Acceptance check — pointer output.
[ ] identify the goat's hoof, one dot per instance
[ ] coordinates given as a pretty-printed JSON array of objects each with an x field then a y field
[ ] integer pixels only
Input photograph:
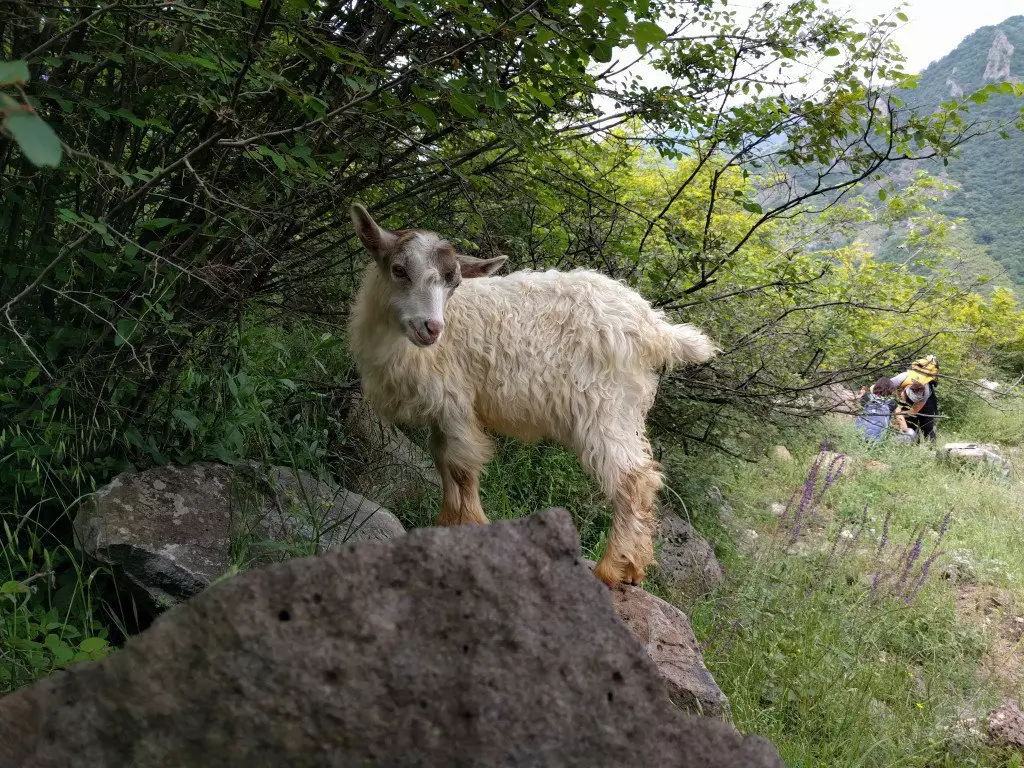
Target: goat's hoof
[{"x": 624, "y": 573}]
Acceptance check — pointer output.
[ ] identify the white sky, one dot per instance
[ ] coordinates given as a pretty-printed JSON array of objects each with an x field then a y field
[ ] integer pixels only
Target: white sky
[{"x": 934, "y": 28}]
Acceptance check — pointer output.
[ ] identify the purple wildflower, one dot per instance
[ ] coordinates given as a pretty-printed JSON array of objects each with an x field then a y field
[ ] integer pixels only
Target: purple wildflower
[
  {"x": 915, "y": 553},
  {"x": 884, "y": 541}
]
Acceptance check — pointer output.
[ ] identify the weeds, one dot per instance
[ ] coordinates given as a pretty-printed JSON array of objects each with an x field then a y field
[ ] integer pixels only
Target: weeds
[
  {"x": 836, "y": 639},
  {"x": 53, "y": 613}
]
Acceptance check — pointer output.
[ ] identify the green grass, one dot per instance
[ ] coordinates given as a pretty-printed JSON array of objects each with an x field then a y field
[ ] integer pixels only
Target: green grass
[
  {"x": 522, "y": 479},
  {"x": 813, "y": 660},
  {"x": 53, "y": 612}
]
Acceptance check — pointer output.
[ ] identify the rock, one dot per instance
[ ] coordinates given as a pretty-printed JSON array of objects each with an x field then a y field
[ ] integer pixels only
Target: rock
[
  {"x": 725, "y": 511},
  {"x": 687, "y": 561},
  {"x": 383, "y": 463},
  {"x": 997, "y": 67},
  {"x": 879, "y": 710},
  {"x": 1006, "y": 726},
  {"x": 171, "y": 531},
  {"x": 748, "y": 541},
  {"x": 777, "y": 508},
  {"x": 465, "y": 645},
  {"x": 837, "y": 399},
  {"x": 780, "y": 453},
  {"x": 665, "y": 633},
  {"x": 834, "y": 464},
  {"x": 978, "y": 453},
  {"x": 959, "y": 568}
]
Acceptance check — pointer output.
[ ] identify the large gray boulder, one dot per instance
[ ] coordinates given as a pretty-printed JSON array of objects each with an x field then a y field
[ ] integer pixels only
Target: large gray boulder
[
  {"x": 382, "y": 462},
  {"x": 462, "y": 646},
  {"x": 686, "y": 561},
  {"x": 171, "y": 531},
  {"x": 665, "y": 632}
]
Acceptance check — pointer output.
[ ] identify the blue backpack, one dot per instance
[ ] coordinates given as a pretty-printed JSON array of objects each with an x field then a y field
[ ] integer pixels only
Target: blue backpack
[{"x": 874, "y": 418}]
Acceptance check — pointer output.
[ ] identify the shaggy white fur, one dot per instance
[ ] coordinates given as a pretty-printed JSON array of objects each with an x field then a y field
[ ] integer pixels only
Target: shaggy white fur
[{"x": 570, "y": 356}]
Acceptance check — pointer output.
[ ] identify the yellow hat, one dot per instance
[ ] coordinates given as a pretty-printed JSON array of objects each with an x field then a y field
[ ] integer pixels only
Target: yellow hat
[{"x": 926, "y": 365}]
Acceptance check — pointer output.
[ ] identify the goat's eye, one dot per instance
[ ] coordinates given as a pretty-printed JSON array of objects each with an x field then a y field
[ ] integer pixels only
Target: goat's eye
[
  {"x": 450, "y": 277},
  {"x": 399, "y": 272}
]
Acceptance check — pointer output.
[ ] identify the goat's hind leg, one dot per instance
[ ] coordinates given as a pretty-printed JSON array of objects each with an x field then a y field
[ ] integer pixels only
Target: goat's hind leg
[
  {"x": 459, "y": 456},
  {"x": 630, "y": 547}
]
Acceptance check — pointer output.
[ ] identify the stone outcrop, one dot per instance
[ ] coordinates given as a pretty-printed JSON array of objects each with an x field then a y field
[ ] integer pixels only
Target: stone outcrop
[
  {"x": 171, "y": 531},
  {"x": 686, "y": 561},
  {"x": 997, "y": 67},
  {"x": 837, "y": 399},
  {"x": 665, "y": 632},
  {"x": 471, "y": 645}
]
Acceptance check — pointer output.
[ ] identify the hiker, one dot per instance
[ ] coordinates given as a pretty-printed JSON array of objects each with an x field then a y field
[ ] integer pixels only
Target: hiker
[
  {"x": 915, "y": 390},
  {"x": 877, "y": 407}
]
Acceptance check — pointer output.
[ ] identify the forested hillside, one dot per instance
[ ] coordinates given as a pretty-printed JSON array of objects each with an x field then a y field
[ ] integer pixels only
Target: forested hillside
[{"x": 990, "y": 171}]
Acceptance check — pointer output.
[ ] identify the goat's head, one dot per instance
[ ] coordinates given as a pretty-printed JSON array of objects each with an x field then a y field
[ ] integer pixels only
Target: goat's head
[{"x": 422, "y": 271}]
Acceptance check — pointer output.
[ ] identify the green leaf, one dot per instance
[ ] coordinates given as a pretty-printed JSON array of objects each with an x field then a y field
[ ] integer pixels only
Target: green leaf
[
  {"x": 463, "y": 105},
  {"x": 125, "y": 327},
  {"x": 136, "y": 121},
  {"x": 35, "y": 138},
  {"x": 30, "y": 376},
  {"x": 752, "y": 207},
  {"x": 647, "y": 33},
  {"x": 12, "y": 587},
  {"x": 186, "y": 418},
  {"x": 832, "y": 52},
  {"x": 543, "y": 97},
  {"x": 882, "y": 194},
  {"x": 426, "y": 114},
  {"x": 13, "y": 73},
  {"x": 496, "y": 99},
  {"x": 92, "y": 644},
  {"x": 602, "y": 51},
  {"x": 902, "y": 16},
  {"x": 159, "y": 223}
]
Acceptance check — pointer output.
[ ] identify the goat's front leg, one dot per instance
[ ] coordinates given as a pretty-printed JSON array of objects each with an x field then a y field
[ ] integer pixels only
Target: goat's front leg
[{"x": 460, "y": 452}]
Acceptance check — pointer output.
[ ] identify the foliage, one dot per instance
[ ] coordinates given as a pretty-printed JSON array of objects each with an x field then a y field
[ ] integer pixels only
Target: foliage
[
  {"x": 18, "y": 118},
  {"x": 49, "y": 610},
  {"x": 990, "y": 171},
  {"x": 820, "y": 647}
]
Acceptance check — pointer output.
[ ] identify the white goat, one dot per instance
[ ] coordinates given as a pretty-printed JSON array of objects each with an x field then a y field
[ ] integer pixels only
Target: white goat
[{"x": 570, "y": 356}]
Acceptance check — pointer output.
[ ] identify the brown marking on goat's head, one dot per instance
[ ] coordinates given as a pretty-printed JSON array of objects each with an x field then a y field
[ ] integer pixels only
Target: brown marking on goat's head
[{"x": 422, "y": 271}]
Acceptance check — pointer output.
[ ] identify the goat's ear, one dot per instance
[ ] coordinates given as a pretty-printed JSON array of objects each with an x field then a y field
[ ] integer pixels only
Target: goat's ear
[
  {"x": 375, "y": 238},
  {"x": 470, "y": 266}
]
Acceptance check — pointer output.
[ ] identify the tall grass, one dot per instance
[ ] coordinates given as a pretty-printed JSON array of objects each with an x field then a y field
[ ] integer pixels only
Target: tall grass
[{"x": 847, "y": 650}]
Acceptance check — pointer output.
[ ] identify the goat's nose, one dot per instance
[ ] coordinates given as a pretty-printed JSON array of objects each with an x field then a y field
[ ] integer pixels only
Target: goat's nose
[{"x": 434, "y": 327}]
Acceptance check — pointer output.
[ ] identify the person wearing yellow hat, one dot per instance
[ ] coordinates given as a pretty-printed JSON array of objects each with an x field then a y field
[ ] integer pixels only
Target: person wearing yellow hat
[{"x": 915, "y": 392}]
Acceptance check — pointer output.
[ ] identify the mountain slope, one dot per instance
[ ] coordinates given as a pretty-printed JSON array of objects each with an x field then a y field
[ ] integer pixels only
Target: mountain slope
[{"x": 990, "y": 169}]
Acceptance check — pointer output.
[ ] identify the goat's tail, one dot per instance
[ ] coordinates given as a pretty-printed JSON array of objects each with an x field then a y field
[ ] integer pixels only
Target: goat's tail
[{"x": 687, "y": 344}]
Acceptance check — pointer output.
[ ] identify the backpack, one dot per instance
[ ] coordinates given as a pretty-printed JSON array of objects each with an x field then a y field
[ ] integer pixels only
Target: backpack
[{"x": 874, "y": 418}]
